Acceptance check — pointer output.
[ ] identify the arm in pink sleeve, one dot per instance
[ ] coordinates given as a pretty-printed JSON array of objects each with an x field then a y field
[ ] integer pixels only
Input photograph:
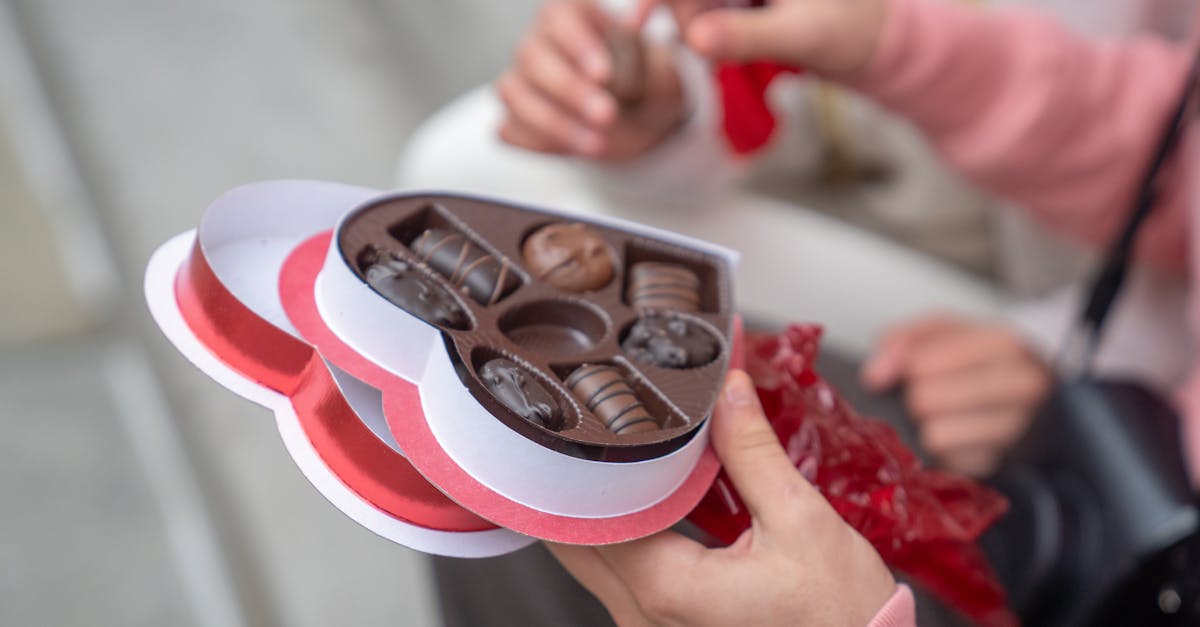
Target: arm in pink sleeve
[
  {"x": 1036, "y": 114},
  {"x": 899, "y": 611}
]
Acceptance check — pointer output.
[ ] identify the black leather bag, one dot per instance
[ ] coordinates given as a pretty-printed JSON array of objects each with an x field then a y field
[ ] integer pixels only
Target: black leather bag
[{"x": 1104, "y": 528}]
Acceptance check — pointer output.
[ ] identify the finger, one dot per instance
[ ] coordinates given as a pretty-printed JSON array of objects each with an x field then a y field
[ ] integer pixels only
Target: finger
[
  {"x": 993, "y": 430},
  {"x": 548, "y": 71},
  {"x": 592, "y": 571},
  {"x": 751, "y": 453},
  {"x": 886, "y": 364},
  {"x": 1002, "y": 385},
  {"x": 512, "y": 131},
  {"x": 641, "y": 13},
  {"x": 969, "y": 348},
  {"x": 533, "y": 110},
  {"x": 740, "y": 35},
  {"x": 576, "y": 27}
]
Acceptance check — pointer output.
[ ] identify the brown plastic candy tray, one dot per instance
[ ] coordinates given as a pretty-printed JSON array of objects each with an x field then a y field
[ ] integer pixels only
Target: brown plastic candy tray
[{"x": 459, "y": 263}]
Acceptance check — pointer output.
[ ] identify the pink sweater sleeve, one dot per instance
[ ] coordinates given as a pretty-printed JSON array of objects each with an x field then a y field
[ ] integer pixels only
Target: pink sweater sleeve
[
  {"x": 899, "y": 611},
  {"x": 1034, "y": 113}
]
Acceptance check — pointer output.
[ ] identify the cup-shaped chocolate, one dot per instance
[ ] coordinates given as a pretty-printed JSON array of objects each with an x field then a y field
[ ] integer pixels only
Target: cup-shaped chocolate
[
  {"x": 604, "y": 391},
  {"x": 467, "y": 266},
  {"x": 666, "y": 286}
]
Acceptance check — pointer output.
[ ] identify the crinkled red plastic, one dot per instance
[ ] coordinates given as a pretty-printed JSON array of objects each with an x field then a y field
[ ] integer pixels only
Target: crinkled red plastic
[{"x": 923, "y": 522}]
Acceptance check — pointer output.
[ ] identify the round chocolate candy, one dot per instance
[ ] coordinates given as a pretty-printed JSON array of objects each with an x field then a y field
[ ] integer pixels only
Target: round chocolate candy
[
  {"x": 569, "y": 256},
  {"x": 606, "y": 393},
  {"x": 522, "y": 393},
  {"x": 655, "y": 285},
  {"x": 627, "y": 82},
  {"x": 467, "y": 266},
  {"x": 409, "y": 289},
  {"x": 670, "y": 341}
]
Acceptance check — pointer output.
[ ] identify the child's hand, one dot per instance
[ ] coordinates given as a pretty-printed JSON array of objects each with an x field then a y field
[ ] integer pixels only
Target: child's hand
[
  {"x": 972, "y": 388},
  {"x": 555, "y": 96},
  {"x": 831, "y": 37},
  {"x": 798, "y": 564}
]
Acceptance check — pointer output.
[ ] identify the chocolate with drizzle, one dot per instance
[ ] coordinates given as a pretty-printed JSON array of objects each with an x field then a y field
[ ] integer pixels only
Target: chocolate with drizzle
[
  {"x": 606, "y": 393},
  {"x": 467, "y": 266},
  {"x": 655, "y": 285}
]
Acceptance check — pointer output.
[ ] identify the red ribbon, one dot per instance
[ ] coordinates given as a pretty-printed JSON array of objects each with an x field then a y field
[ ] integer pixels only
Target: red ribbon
[{"x": 240, "y": 338}]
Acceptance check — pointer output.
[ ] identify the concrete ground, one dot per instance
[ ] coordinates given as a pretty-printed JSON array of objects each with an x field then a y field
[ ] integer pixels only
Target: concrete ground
[{"x": 134, "y": 490}]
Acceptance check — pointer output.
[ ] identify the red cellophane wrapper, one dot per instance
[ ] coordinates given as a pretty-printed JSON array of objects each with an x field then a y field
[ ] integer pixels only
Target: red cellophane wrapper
[{"x": 923, "y": 522}]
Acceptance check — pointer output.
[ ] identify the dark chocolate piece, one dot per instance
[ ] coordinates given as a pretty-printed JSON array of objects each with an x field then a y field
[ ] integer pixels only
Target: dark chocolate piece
[
  {"x": 407, "y": 288},
  {"x": 670, "y": 341},
  {"x": 627, "y": 83},
  {"x": 606, "y": 393},
  {"x": 569, "y": 256},
  {"x": 467, "y": 266},
  {"x": 520, "y": 392},
  {"x": 654, "y": 285}
]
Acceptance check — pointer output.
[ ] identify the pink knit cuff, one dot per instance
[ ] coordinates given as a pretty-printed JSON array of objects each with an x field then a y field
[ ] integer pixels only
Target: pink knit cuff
[{"x": 899, "y": 611}]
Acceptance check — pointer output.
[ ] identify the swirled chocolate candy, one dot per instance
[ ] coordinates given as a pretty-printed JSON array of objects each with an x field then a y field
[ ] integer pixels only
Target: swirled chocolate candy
[
  {"x": 655, "y": 285},
  {"x": 606, "y": 393},
  {"x": 407, "y": 288},
  {"x": 467, "y": 266},
  {"x": 670, "y": 341},
  {"x": 521, "y": 392},
  {"x": 627, "y": 83},
  {"x": 569, "y": 256}
]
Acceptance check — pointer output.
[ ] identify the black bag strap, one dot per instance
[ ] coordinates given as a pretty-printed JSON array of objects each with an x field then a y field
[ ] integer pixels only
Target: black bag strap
[{"x": 1080, "y": 349}]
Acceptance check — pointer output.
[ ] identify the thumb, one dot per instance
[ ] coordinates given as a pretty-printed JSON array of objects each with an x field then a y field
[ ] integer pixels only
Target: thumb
[
  {"x": 785, "y": 33},
  {"x": 750, "y": 451}
]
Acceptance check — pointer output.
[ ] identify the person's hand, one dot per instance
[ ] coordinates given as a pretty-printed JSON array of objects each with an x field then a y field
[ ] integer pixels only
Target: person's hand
[
  {"x": 831, "y": 37},
  {"x": 555, "y": 97},
  {"x": 971, "y": 387},
  {"x": 798, "y": 564}
]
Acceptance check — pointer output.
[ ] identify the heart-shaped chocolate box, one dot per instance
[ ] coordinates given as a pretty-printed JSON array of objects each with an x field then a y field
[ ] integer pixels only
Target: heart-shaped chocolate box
[{"x": 474, "y": 252}]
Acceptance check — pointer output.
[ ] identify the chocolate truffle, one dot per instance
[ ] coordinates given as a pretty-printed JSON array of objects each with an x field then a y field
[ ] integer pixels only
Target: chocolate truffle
[
  {"x": 627, "y": 83},
  {"x": 606, "y": 393},
  {"x": 654, "y": 285},
  {"x": 520, "y": 392},
  {"x": 670, "y": 341},
  {"x": 409, "y": 289},
  {"x": 467, "y": 266},
  {"x": 569, "y": 256}
]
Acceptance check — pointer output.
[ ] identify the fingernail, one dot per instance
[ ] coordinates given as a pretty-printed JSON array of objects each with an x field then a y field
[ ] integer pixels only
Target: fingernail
[
  {"x": 739, "y": 390},
  {"x": 599, "y": 108}
]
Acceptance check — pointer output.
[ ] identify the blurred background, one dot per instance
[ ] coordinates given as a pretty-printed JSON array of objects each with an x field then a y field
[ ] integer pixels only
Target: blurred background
[{"x": 134, "y": 490}]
